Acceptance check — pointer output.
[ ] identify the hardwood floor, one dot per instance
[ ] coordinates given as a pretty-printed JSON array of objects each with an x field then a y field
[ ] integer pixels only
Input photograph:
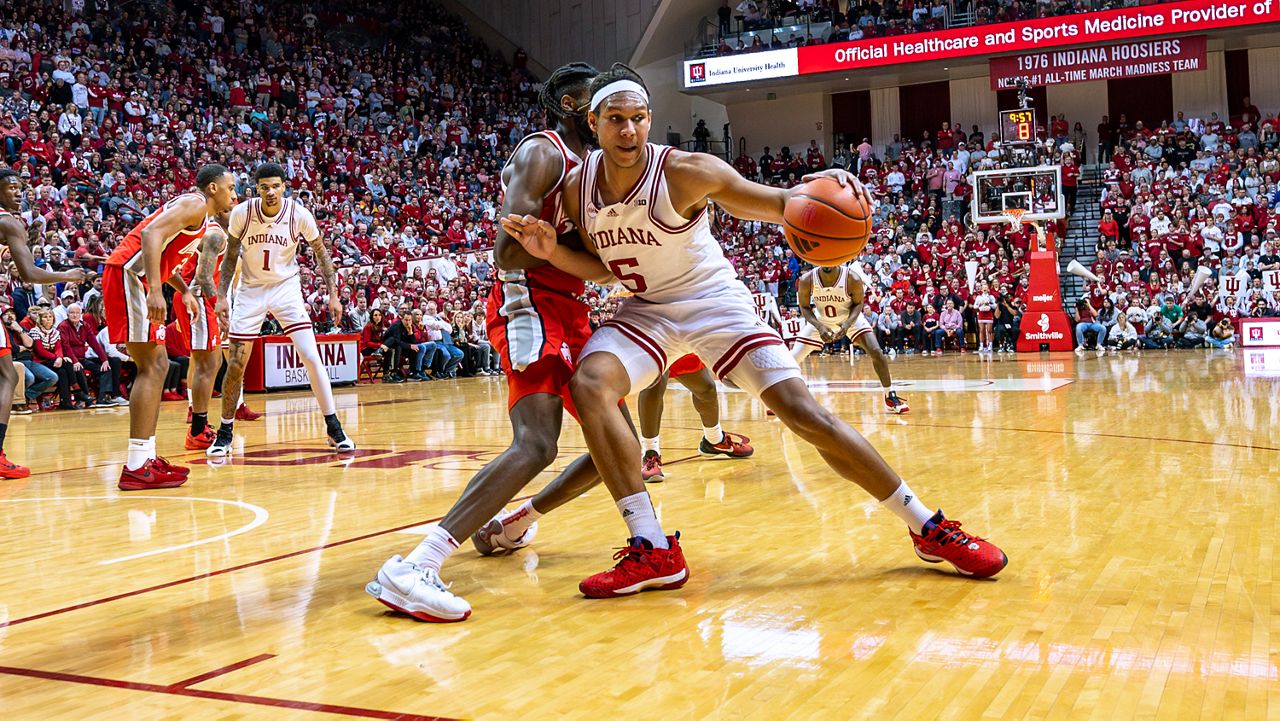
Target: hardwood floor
[{"x": 1135, "y": 496}]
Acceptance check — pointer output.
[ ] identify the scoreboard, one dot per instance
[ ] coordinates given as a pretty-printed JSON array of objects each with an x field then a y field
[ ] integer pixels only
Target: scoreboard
[{"x": 1018, "y": 126}]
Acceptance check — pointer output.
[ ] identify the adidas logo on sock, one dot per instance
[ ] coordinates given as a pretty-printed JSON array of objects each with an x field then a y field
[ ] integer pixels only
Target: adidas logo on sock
[{"x": 906, "y": 500}]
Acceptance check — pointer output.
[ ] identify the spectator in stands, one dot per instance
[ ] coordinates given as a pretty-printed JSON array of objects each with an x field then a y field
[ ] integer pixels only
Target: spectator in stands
[
  {"x": 372, "y": 333},
  {"x": 110, "y": 378},
  {"x": 401, "y": 345},
  {"x": 1086, "y": 322},
  {"x": 48, "y": 350},
  {"x": 950, "y": 328},
  {"x": 912, "y": 331},
  {"x": 80, "y": 341},
  {"x": 37, "y": 377},
  {"x": 1123, "y": 336},
  {"x": 932, "y": 331}
]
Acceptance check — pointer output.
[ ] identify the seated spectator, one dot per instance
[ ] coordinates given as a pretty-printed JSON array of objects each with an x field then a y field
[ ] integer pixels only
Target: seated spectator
[
  {"x": 110, "y": 383},
  {"x": 1223, "y": 335},
  {"x": 1123, "y": 335},
  {"x": 932, "y": 331},
  {"x": 80, "y": 338},
  {"x": 179, "y": 361},
  {"x": 371, "y": 335},
  {"x": 37, "y": 377},
  {"x": 950, "y": 328},
  {"x": 1086, "y": 321},
  {"x": 47, "y": 348}
]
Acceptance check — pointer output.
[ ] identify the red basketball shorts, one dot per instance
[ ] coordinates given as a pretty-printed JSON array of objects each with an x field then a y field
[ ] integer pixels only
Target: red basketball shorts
[
  {"x": 201, "y": 331},
  {"x": 686, "y": 365},
  {"x": 538, "y": 336},
  {"x": 124, "y": 301}
]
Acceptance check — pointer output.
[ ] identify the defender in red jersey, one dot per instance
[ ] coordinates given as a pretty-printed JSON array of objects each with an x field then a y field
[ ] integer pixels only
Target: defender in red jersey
[
  {"x": 133, "y": 297},
  {"x": 715, "y": 443},
  {"x": 538, "y": 325},
  {"x": 16, "y": 237}
]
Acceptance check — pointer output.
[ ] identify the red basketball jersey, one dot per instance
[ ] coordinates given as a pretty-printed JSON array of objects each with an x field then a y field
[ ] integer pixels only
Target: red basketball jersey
[
  {"x": 185, "y": 242},
  {"x": 548, "y": 277}
]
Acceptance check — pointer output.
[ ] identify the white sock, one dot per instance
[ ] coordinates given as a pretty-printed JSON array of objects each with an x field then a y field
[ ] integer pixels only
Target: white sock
[
  {"x": 437, "y": 546},
  {"x": 241, "y": 397},
  {"x": 141, "y": 450},
  {"x": 713, "y": 434},
  {"x": 888, "y": 389},
  {"x": 649, "y": 444},
  {"x": 228, "y": 421},
  {"x": 514, "y": 525},
  {"x": 637, "y": 511},
  {"x": 908, "y": 507},
  {"x": 189, "y": 405}
]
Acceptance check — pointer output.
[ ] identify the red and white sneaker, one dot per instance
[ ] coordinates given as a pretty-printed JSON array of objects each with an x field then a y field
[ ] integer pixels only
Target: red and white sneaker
[
  {"x": 640, "y": 567},
  {"x": 201, "y": 440},
  {"x": 150, "y": 475},
  {"x": 10, "y": 470},
  {"x": 492, "y": 539},
  {"x": 894, "y": 404},
  {"x": 651, "y": 468},
  {"x": 245, "y": 413},
  {"x": 942, "y": 540},
  {"x": 164, "y": 465},
  {"x": 732, "y": 445}
]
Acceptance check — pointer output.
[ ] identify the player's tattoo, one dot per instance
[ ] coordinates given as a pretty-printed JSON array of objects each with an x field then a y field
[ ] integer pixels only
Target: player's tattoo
[
  {"x": 209, "y": 246},
  {"x": 325, "y": 264},
  {"x": 229, "y": 263}
]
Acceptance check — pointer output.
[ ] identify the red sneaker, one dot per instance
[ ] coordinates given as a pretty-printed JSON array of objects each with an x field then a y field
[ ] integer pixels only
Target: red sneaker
[
  {"x": 10, "y": 470},
  {"x": 651, "y": 467},
  {"x": 640, "y": 566},
  {"x": 148, "y": 476},
  {"x": 245, "y": 413},
  {"x": 894, "y": 404},
  {"x": 202, "y": 440},
  {"x": 944, "y": 541},
  {"x": 167, "y": 467},
  {"x": 172, "y": 396},
  {"x": 728, "y": 447}
]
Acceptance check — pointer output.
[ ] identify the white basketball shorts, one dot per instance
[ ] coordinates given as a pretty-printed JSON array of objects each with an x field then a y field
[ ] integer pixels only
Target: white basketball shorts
[
  {"x": 253, "y": 303},
  {"x": 812, "y": 336},
  {"x": 723, "y": 331}
]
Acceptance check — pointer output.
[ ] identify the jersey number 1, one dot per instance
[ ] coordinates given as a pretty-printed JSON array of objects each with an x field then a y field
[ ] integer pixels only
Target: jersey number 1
[
  {"x": 266, "y": 260},
  {"x": 633, "y": 282}
]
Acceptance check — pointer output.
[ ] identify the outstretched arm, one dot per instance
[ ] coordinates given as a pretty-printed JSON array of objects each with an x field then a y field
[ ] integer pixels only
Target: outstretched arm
[
  {"x": 695, "y": 177},
  {"x": 13, "y": 235}
]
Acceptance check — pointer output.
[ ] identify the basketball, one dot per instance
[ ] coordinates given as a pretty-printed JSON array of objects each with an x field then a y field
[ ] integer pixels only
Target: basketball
[{"x": 826, "y": 224}]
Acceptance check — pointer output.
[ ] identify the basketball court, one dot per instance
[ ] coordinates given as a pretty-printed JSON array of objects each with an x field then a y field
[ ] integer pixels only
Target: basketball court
[{"x": 1131, "y": 493}]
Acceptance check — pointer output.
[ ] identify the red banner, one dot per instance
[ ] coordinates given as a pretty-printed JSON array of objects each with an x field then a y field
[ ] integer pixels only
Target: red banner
[
  {"x": 1104, "y": 62},
  {"x": 1085, "y": 28}
]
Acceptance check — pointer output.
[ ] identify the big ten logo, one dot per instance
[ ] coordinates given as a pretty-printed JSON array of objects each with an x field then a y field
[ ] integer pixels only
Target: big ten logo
[{"x": 698, "y": 72}]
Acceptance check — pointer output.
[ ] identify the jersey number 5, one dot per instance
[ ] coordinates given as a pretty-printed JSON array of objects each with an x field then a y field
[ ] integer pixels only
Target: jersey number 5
[{"x": 633, "y": 282}]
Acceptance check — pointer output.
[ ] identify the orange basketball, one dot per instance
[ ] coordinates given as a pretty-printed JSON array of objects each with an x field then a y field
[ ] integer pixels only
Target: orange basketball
[{"x": 826, "y": 224}]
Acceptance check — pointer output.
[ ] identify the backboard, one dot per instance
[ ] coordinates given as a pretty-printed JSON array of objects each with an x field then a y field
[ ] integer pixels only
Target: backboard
[{"x": 1037, "y": 192}]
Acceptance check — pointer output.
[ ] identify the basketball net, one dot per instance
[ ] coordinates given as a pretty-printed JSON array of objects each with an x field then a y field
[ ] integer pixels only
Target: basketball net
[{"x": 1015, "y": 219}]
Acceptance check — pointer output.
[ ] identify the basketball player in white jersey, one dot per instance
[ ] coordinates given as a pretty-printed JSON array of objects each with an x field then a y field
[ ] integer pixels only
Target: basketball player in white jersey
[
  {"x": 641, "y": 209},
  {"x": 15, "y": 237},
  {"x": 266, "y": 231},
  {"x": 831, "y": 301}
]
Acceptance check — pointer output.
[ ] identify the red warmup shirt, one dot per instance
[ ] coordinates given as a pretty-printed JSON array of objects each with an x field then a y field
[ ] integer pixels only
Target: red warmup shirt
[{"x": 76, "y": 341}]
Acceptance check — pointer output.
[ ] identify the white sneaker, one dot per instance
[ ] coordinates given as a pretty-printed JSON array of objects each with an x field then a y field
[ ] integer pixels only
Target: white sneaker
[
  {"x": 492, "y": 538},
  {"x": 417, "y": 592},
  {"x": 341, "y": 443},
  {"x": 221, "y": 447}
]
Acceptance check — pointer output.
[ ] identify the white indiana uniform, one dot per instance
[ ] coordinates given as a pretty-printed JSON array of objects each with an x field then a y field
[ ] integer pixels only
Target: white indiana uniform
[
  {"x": 687, "y": 297},
  {"x": 832, "y": 304},
  {"x": 269, "y": 267}
]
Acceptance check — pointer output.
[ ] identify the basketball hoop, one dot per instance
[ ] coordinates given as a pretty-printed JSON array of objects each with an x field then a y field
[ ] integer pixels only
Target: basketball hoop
[{"x": 1014, "y": 215}]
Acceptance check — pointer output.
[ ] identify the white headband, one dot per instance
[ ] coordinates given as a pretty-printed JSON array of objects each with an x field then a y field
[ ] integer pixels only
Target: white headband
[{"x": 618, "y": 86}]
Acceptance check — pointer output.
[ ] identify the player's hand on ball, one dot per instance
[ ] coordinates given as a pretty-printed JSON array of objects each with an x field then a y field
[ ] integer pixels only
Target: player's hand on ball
[
  {"x": 537, "y": 236},
  {"x": 220, "y": 309},
  {"x": 845, "y": 179}
]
